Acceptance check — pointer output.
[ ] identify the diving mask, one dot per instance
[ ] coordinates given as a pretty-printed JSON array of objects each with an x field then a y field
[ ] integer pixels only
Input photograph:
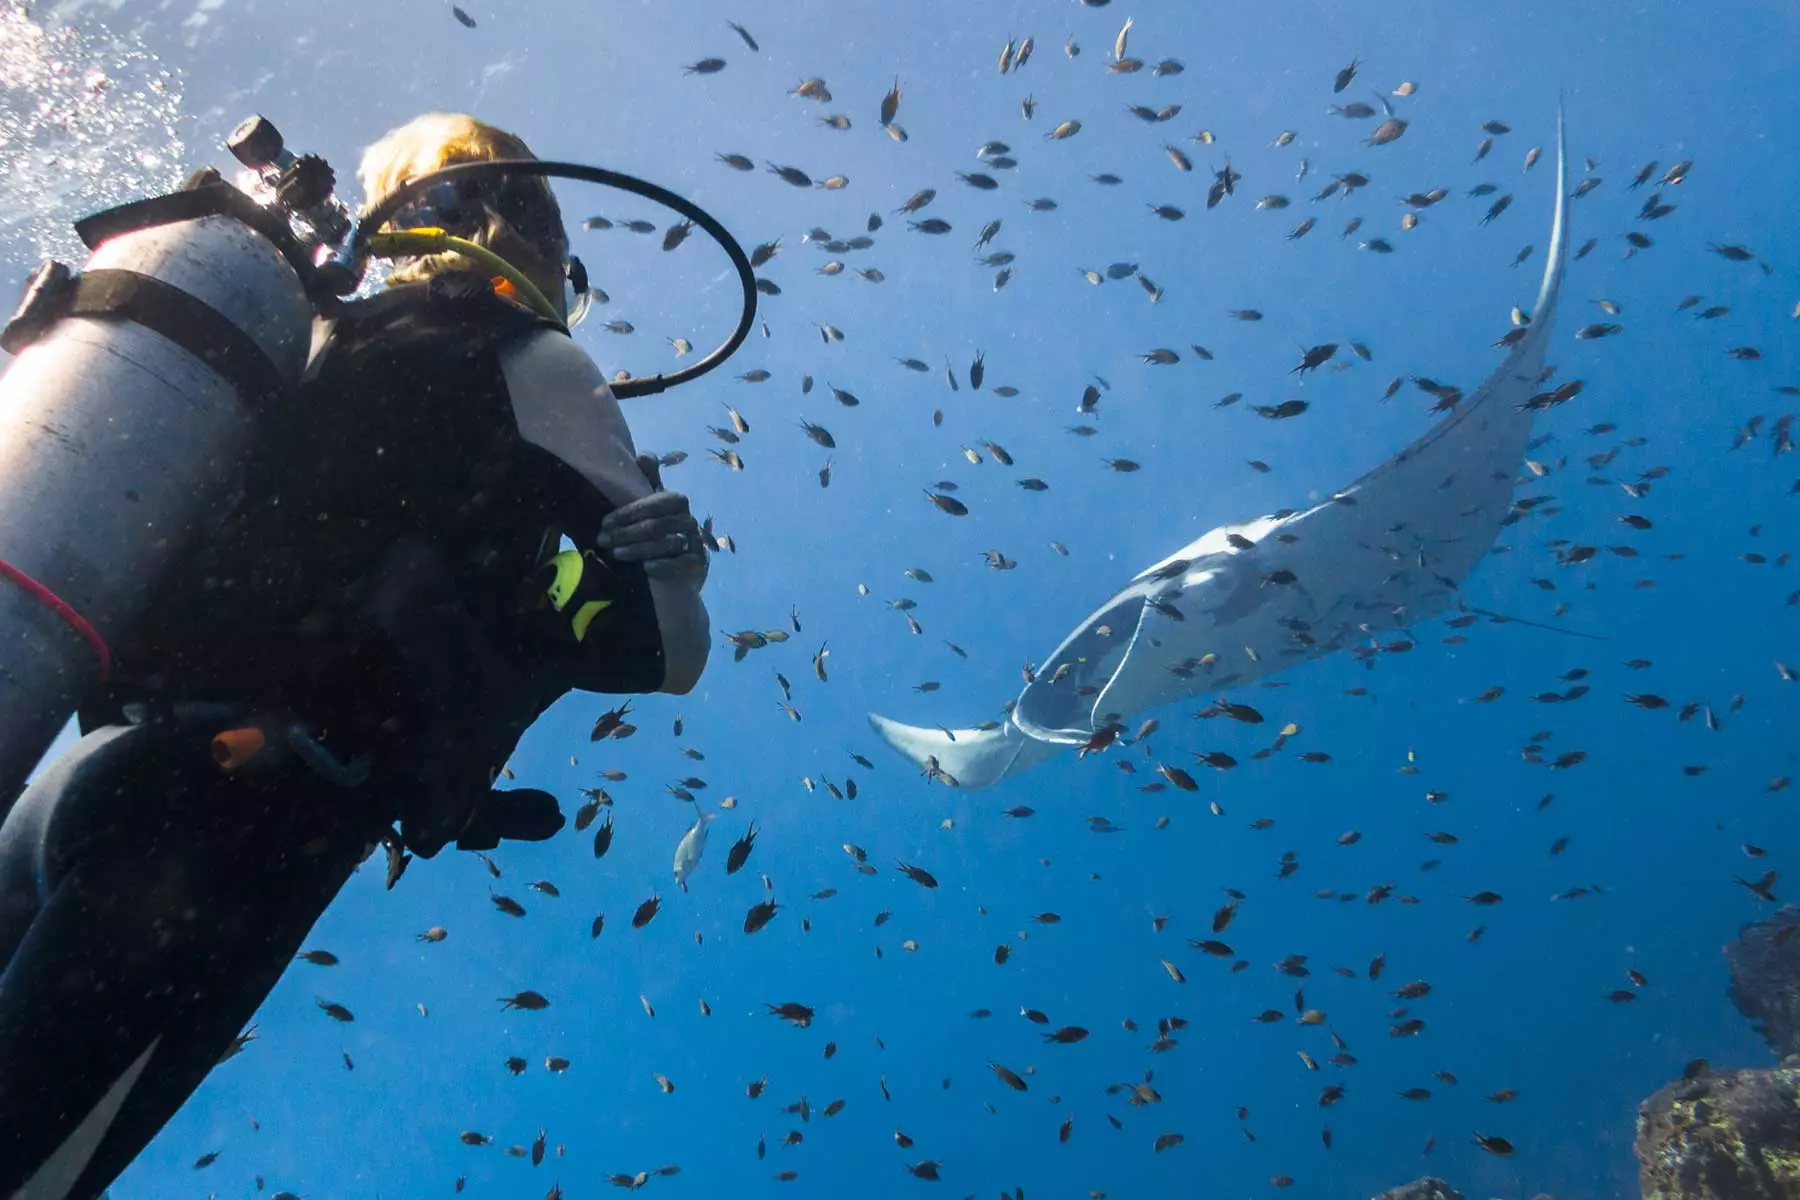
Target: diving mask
[{"x": 455, "y": 207}]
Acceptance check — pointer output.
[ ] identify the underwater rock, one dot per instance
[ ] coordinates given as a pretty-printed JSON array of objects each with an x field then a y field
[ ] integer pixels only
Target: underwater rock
[
  {"x": 1765, "y": 978},
  {"x": 1733, "y": 1135},
  {"x": 1427, "y": 1188}
]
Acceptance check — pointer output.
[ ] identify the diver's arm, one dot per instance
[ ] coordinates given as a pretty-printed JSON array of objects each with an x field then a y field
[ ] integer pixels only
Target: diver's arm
[
  {"x": 562, "y": 404},
  {"x": 660, "y": 533}
]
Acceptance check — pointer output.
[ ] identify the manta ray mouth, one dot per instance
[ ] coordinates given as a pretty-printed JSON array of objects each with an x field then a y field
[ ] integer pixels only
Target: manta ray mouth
[
  {"x": 1062, "y": 701},
  {"x": 1104, "y": 703}
]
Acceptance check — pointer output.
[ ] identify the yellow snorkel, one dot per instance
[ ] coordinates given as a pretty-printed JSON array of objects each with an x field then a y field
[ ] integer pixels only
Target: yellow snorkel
[{"x": 411, "y": 243}]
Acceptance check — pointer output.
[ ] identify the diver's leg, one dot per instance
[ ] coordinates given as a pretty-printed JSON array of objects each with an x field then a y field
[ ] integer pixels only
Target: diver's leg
[{"x": 166, "y": 899}]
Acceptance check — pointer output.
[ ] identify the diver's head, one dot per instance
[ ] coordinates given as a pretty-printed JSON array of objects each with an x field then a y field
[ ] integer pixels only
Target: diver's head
[{"x": 516, "y": 217}]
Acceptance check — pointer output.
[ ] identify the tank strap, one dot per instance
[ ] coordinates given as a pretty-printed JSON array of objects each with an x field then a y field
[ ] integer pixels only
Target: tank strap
[{"x": 196, "y": 327}]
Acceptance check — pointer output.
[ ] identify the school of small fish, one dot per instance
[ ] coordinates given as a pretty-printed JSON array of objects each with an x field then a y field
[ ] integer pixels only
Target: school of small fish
[{"x": 1317, "y": 1012}]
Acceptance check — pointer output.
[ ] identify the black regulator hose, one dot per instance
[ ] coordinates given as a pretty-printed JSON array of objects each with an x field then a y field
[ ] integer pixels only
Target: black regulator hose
[{"x": 380, "y": 214}]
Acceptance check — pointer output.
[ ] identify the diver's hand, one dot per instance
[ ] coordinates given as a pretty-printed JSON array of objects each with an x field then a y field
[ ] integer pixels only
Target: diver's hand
[
  {"x": 657, "y": 531},
  {"x": 517, "y": 814}
]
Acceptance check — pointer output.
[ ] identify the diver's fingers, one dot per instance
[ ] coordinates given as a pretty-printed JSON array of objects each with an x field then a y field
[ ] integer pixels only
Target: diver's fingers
[
  {"x": 664, "y": 537},
  {"x": 657, "y": 504}
]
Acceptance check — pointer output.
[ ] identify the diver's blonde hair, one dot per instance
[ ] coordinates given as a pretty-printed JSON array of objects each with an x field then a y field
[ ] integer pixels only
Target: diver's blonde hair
[{"x": 434, "y": 140}]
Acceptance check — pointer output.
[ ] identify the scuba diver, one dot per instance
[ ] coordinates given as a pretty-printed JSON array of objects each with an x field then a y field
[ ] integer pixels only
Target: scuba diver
[{"x": 443, "y": 530}]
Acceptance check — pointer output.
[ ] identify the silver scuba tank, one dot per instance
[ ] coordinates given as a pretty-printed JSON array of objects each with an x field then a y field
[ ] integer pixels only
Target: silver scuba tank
[{"x": 123, "y": 423}]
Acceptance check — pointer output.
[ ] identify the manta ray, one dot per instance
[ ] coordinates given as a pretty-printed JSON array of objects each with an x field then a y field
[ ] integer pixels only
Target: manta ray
[{"x": 1244, "y": 601}]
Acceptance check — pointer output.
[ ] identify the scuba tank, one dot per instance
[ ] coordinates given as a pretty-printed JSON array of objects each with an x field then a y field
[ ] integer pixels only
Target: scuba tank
[{"x": 124, "y": 417}]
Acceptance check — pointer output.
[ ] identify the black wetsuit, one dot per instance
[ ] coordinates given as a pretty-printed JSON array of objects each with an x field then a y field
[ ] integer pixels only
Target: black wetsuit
[{"x": 379, "y": 585}]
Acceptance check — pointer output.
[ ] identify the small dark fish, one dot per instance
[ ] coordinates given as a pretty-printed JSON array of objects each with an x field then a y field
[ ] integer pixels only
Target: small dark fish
[
  {"x": 1494, "y": 1145},
  {"x": 646, "y": 912},
  {"x": 760, "y": 915},
  {"x": 1315, "y": 358},
  {"x": 1280, "y": 412},
  {"x": 610, "y": 722},
  {"x": 336, "y": 1012},
  {"x": 740, "y": 851},
  {"x": 1007, "y": 1076},
  {"x": 1387, "y": 132},
  {"x": 918, "y": 200},
  {"x": 467, "y": 21},
  {"x": 948, "y": 504},
  {"x": 798, "y": 1014},
  {"x": 918, "y": 875},
  {"x": 791, "y": 175},
  {"x": 745, "y": 34}
]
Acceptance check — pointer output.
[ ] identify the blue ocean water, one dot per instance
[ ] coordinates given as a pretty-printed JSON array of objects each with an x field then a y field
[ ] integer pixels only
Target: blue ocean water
[{"x": 894, "y": 971}]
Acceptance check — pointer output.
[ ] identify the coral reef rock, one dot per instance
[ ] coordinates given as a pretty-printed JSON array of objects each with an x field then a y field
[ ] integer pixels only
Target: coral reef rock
[
  {"x": 1422, "y": 1189},
  {"x": 1733, "y": 1135},
  {"x": 1765, "y": 978}
]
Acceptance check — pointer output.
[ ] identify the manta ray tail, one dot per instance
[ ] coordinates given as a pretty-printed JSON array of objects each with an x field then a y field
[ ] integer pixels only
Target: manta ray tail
[{"x": 965, "y": 758}]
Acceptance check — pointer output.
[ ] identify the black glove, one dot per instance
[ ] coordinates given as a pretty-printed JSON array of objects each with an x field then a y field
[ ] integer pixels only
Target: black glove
[{"x": 517, "y": 815}]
